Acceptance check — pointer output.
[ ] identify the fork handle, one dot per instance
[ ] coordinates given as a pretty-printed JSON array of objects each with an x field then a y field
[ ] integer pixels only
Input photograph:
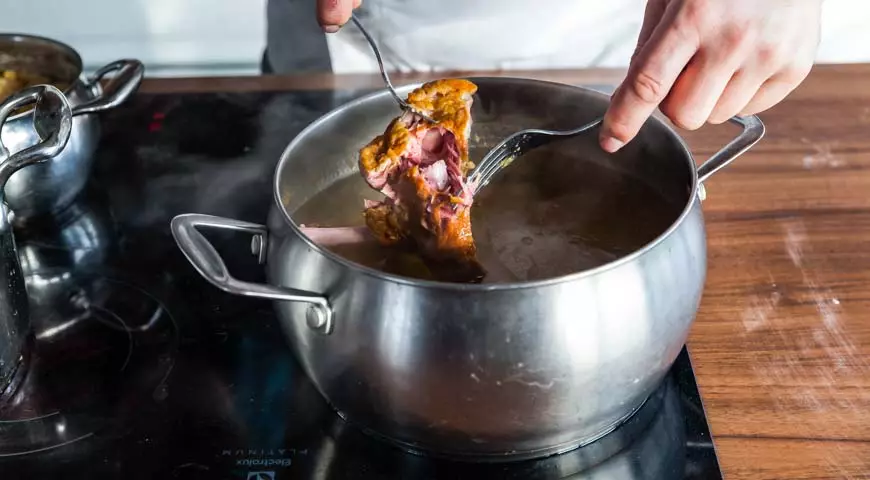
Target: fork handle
[{"x": 377, "y": 52}]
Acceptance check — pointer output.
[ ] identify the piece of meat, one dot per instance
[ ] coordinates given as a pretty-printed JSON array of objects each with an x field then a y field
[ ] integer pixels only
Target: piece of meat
[
  {"x": 337, "y": 236},
  {"x": 420, "y": 167}
]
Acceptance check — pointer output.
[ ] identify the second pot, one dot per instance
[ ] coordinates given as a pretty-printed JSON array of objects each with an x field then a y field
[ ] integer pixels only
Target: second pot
[{"x": 51, "y": 186}]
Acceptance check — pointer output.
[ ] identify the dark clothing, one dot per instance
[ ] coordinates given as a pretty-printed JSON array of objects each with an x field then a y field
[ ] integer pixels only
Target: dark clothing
[{"x": 295, "y": 42}]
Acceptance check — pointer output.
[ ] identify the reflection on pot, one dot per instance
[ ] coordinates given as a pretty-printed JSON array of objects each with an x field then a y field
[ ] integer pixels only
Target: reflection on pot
[
  {"x": 274, "y": 407},
  {"x": 50, "y": 120},
  {"x": 52, "y": 251},
  {"x": 102, "y": 346},
  {"x": 651, "y": 445}
]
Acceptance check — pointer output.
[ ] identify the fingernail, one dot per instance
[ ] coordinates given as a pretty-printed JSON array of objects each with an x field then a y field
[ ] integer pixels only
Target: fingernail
[
  {"x": 331, "y": 28},
  {"x": 611, "y": 145}
]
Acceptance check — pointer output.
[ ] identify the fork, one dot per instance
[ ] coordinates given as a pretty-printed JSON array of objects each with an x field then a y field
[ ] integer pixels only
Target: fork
[
  {"x": 515, "y": 146},
  {"x": 402, "y": 103}
]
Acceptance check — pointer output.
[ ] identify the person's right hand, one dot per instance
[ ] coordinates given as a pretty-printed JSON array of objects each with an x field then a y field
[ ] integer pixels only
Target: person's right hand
[
  {"x": 333, "y": 14},
  {"x": 705, "y": 61}
]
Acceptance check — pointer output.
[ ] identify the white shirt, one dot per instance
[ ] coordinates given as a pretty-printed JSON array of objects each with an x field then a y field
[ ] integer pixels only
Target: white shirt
[
  {"x": 442, "y": 35},
  {"x": 439, "y": 35}
]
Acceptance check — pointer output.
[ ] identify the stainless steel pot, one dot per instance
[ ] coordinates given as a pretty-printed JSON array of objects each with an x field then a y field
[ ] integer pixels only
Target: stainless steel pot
[
  {"x": 51, "y": 186},
  {"x": 51, "y": 122},
  {"x": 506, "y": 370}
]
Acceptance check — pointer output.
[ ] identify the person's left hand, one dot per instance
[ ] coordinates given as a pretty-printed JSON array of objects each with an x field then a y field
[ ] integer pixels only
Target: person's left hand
[
  {"x": 709, "y": 60},
  {"x": 333, "y": 14}
]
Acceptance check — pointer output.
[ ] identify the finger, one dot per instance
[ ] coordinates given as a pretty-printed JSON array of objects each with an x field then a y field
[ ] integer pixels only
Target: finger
[
  {"x": 649, "y": 79},
  {"x": 774, "y": 91},
  {"x": 697, "y": 91},
  {"x": 737, "y": 95},
  {"x": 332, "y": 14},
  {"x": 652, "y": 15}
]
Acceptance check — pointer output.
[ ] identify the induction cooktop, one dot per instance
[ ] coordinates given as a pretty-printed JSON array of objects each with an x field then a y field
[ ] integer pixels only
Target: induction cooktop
[{"x": 139, "y": 368}]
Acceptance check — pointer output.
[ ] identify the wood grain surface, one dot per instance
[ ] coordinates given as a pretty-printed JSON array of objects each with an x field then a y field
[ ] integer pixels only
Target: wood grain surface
[
  {"x": 781, "y": 345},
  {"x": 782, "y": 341}
]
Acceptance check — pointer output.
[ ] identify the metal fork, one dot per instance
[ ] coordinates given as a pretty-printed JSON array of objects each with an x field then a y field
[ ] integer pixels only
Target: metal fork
[
  {"x": 402, "y": 103},
  {"x": 515, "y": 146}
]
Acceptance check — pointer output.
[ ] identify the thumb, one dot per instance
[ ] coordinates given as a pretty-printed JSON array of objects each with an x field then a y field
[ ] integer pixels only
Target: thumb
[{"x": 332, "y": 14}]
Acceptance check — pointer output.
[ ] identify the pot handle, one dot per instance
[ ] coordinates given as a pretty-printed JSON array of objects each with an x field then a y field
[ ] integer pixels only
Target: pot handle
[
  {"x": 52, "y": 120},
  {"x": 753, "y": 130},
  {"x": 117, "y": 90},
  {"x": 206, "y": 260}
]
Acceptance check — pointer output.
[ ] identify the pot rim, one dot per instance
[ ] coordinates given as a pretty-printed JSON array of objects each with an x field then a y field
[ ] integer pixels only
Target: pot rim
[
  {"x": 73, "y": 53},
  {"x": 67, "y": 49},
  {"x": 480, "y": 287}
]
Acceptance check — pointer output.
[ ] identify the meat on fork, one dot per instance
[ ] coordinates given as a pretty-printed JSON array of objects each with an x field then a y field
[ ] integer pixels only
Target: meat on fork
[{"x": 420, "y": 167}]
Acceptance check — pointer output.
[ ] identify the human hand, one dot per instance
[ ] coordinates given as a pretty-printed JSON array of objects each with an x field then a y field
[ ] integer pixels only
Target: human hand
[
  {"x": 709, "y": 60},
  {"x": 332, "y": 14}
]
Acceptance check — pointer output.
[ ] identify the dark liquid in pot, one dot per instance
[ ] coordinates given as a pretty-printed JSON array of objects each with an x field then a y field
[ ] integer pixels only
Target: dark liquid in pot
[{"x": 545, "y": 216}]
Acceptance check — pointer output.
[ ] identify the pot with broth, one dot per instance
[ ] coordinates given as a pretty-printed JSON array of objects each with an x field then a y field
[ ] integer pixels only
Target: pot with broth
[
  {"x": 546, "y": 216},
  {"x": 596, "y": 265}
]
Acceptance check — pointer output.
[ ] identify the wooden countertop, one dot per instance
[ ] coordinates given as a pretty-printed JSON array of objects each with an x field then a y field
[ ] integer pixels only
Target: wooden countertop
[{"x": 781, "y": 345}]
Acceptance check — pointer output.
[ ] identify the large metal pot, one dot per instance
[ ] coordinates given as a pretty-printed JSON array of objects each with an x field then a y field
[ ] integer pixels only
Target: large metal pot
[
  {"x": 51, "y": 186},
  {"x": 516, "y": 369},
  {"x": 51, "y": 123}
]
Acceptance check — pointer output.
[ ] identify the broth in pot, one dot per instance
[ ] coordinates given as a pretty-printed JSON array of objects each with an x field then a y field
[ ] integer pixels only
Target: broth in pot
[{"x": 547, "y": 215}]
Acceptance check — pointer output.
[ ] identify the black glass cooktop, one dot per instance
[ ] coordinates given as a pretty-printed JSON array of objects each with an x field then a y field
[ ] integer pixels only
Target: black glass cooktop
[{"x": 139, "y": 369}]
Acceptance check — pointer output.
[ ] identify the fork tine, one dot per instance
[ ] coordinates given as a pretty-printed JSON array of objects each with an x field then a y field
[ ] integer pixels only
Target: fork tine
[
  {"x": 491, "y": 169},
  {"x": 484, "y": 180},
  {"x": 417, "y": 111},
  {"x": 486, "y": 175},
  {"x": 494, "y": 158},
  {"x": 487, "y": 167},
  {"x": 516, "y": 146},
  {"x": 482, "y": 169}
]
